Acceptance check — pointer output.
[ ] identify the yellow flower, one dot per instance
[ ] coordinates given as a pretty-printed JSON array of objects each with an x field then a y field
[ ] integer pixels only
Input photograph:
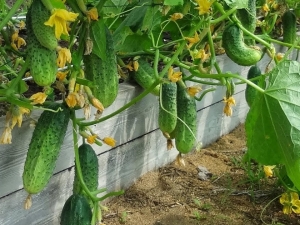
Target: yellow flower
[
  {"x": 228, "y": 103},
  {"x": 201, "y": 55},
  {"x": 193, "y": 90},
  {"x": 91, "y": 139},
  {"x": 38, "y": 98},
  {"x": 16, "y": 41},
  {"x": 269, "y": 171},
  {"x": 6, "y": 136},
  {"x": 71, "y": 100},
  {"x": 204, "y": 6},
  {"x": 109, "y": 141},
  {"x": 129, "y": 66},
  {"x": 59, "y": 19},
  {"x": 290, "y": 202},
  {"x": 135, "y": 65},
  {"x": 17, "y": 115},
  {"x": 22, "y": 25},
  {"x": 64, "y": 56},
  {"x": 192, "y": 40},
  {"x": 279, "y": 56},
  {"x": 174, "y": 76},
  {"x": 176, "y": 16},
  {"x": 61, "y": 75},
  {"x": 97, "y": 104},
  {"x": 265, "y": 8},
  {"x": 93, "y": 14}
]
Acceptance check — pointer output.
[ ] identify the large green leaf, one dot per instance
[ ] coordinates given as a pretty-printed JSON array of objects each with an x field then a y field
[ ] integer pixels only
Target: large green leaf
[
  {"x": 173, "y": 2},
  {"x": 98, "y": 36},
  {"x": 273, "y": 122},
  {"x": 240, "y": 4}
]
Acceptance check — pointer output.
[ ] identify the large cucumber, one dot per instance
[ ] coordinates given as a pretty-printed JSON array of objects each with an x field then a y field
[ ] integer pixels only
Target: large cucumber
[
  {"x": 89, "y": 168},
  {"x": 167, "y": 114},
  {"x": 44, "y": 34},
  {"x": 144, "y": 76},
  {"x": 236, "y": 49},
  {"x": 103, "y": 73},
  {"x": 44, "y": 147},
  {"x": 185, "y": 131},
  {"x": 76, "y": 211},
  {"x": 289, "y": 27}
]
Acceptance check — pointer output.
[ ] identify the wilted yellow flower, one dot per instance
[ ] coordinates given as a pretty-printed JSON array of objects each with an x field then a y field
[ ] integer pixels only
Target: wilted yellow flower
[
  {"x": 93, "y": 14},
  {"x": 22, "y": 25},
  {"x": 279, "y": 56},
  {"x": 71, "y": 100},
  {"x": 64, "y": 56},
  {"x": 135, "y": 65},
  {"x": 61, "y": 75},
  {"x": 17, "y": 115},
  {"x": 192, "y": 40},
  {"x": 16, "y": 41},
  {"x": 91, "y": 139},
  {"x": 109, "y": 141},
  {"x": 59, "y": 19},
  {"x": 129, "y": 66},
  {"x": 204, "y": 6},
  {"x": 87, "y": 111},
  {"x": 170, "y": 144},
  {"x": 6, "y": 136},
  {"x": 228, "y": 103},
  {"x": 38, "y": 98},
  {"x": 269, "y": 170},
  {"x": 176, "y": 16},
  {"x": 174, "y": 76},
  {"x": 97, "y": 104},
  {"x": 290, "y": 202},
  {"x": 193, "y": 90}
]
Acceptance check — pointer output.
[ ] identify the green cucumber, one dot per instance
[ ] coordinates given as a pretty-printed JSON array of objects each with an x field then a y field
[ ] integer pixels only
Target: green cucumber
[
  {"x": 44, "y": 34},
  {"x": 185, "y": 131},
  {"x": 250, "y": 92},
  {"x": 247, "y": 16},
  {"x": 289, "y": 27},
  {"x": 144, "y": 76},
  {"x": 103, "y": 73},
  {"x": 167, "y": 116},
  {"x": 76, "y": 211},
  {"x": 89, "y": 168},
  {"x": 44, "y": 148},
  {"x": 236, "y": 49}
]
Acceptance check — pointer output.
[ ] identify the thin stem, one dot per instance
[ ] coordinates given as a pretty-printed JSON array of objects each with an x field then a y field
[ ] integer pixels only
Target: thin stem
[
  {"x": 225, "y": 14},
  {"x": 204, "y": 93},
  {"x": 11, "y": 13}
]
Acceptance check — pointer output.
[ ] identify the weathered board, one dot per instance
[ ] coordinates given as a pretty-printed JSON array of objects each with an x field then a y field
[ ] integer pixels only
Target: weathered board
[{"x": 140, "y": 148}]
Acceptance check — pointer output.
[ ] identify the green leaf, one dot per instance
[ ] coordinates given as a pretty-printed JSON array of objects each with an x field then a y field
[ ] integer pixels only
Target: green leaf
[
  {"x": 240, "y": 4},
  {"x": 130, "y": 44},
  {"x": 273, "y": 122},
  {"x": 98, "y": 37},
  {"x": 151, "y": 19},
  {"x": 173, "y": 2}
]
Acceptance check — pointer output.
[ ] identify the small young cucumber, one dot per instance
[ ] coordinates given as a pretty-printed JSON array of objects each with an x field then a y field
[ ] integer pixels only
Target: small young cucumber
[
  {"x": 45, "y": 34},
  {"x": 144, "y": 76},
  {"x": 289, "y": 27},
  {"x": 103, "y": 73},
  {"x": 236, "y": 49},
  {"x": 250, "y": 92},
  {"x": 167, "y": 114},
  {"x": 44, "y": 148},
  {"x": 76, "y": 211},
  {"x": 89, "y": 168},
  {"x": 247, "y": 16},
  {"x": 185, "y": 131}
]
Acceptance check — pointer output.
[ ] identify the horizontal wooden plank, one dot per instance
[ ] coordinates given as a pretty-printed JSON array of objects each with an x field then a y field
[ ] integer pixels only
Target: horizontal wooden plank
[{"x": 120, "y": 167}]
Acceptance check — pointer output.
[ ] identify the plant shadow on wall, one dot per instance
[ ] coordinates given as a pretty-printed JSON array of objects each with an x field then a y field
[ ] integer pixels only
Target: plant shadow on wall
[{"x": 80, "y": 50}]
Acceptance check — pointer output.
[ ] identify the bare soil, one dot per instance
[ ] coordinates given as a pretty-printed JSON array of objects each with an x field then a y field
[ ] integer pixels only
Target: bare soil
[{"x": 174, "y": 195}]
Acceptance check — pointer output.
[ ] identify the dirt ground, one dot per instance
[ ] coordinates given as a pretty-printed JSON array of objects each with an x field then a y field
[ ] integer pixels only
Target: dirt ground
[{"x": 174, "y": 195}]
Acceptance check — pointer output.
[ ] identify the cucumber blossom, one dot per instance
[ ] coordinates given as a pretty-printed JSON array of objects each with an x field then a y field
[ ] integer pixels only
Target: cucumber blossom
[
  {"x": 44, "y": 147},
  {"x": 236, "y": 49},
  {"x": 167, "y": 114}
]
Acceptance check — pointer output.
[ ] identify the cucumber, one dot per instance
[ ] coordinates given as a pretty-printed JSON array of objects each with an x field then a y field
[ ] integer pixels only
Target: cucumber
[
  {"x": 289, "y": 27},
  {"x": 248, "y": 19},
  {"x": 167, "y": 119},
  {"x": 42, "y": 61},
  {"x": 103, "y": 73},
  {"x": 144, "y": 76},
  {"x": 185, "y": 132},
  {"x": 44, "y": 34},
  {"x": 76, "y": 211},
  {"x": 236, "y": 49},
  {"x": 89, "y": 168},
  {"x": 44, "y": 148}
]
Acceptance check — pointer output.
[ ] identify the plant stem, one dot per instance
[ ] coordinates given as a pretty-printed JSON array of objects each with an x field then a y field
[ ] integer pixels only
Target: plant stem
[
  {"x": 11, "y": 13},
  {"x": 225, "y": 14}
]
